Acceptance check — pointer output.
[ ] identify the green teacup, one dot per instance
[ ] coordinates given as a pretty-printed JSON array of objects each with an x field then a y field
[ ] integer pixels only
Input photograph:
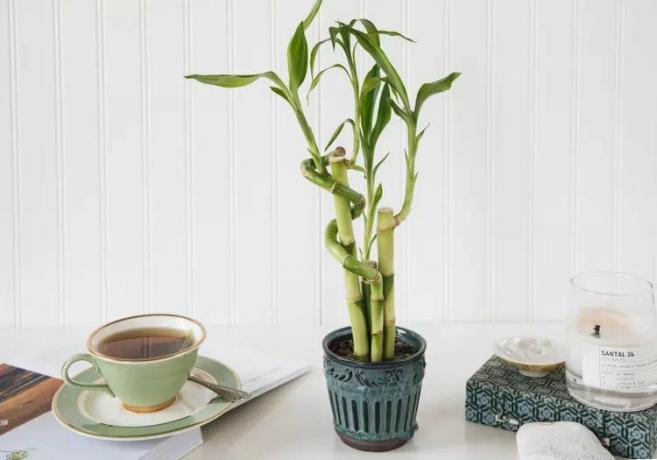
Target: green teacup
[{"x": 144, "y": 360}]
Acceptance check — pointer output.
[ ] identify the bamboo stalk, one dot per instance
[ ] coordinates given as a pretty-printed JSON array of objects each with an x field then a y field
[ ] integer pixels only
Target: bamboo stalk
[
  {"x": 376, "y": 318},
  {"x": 386, "y": 251},
  {"x": 338, "y": 162}
]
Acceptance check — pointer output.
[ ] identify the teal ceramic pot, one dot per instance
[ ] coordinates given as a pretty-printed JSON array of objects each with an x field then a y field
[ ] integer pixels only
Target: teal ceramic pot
[{"x": 374, "y": 405}]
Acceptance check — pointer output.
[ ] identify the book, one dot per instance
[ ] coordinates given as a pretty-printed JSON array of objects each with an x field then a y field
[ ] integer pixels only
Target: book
[
  {"x": 29, "y": 431},
  {"x": 498, "y": 395}
]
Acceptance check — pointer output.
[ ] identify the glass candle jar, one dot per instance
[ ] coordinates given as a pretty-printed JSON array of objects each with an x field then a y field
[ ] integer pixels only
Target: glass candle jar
[{"x": 611, "y": 358}]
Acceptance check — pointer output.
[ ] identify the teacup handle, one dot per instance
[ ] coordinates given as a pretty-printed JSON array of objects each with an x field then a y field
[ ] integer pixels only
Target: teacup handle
[{"x": 87, "y": 386}]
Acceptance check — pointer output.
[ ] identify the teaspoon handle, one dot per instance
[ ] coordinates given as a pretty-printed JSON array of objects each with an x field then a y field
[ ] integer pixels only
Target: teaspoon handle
[{"x": 231, "y": 394}]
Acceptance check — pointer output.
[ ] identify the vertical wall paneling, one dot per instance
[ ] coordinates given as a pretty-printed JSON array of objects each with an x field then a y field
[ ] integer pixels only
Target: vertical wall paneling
[
  {"x": 211, "y": 163},
  {"x": 232, "y": 211},
  {"x": 190, "y": 261},
  {"x": 273, "y": 29},
  {"x": 122, "y": 219},
  {"x": 144, "y": 118},
  {"x": 424, "y": 282},
  {"x": 637, "y": 139},
  {"x": 37, "y": 163},
  {"x": 468, "y": 175},
  {"x": 59, "y": 172},
  {"x": 79, "y": 157},
  {"x": 596, "y": 131},
  {"x": 8, "y": 235},
  {"x": 617, "y": 183},
  {"x": 125, "y": 188},
  {"x": 252, "y": 164},
  {"x": 511, "y": 156},
  {"x": 168, "y": 156},
  {"x": 448, "y": 310},
  {"x": 575, "y": 131},
  {"x": 554, "y": 133}
]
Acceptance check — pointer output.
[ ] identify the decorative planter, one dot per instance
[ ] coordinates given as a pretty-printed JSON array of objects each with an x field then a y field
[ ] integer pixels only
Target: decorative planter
[{"x": 374, "y": 405}]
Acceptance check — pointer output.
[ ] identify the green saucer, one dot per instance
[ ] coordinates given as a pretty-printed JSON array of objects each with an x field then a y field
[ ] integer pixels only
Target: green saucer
[{"x": 97, "y": 415}]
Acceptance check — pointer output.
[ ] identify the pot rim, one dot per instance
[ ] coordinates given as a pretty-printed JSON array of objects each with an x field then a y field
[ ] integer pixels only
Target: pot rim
[{"x": 337, "y": 333}]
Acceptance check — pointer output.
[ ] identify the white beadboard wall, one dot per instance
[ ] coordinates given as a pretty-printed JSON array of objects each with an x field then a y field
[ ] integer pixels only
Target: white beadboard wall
[{"x": 125, "y": 188}]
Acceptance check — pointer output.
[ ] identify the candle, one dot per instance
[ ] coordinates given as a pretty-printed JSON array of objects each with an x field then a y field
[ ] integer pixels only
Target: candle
[{"x": 611, "y": 358}]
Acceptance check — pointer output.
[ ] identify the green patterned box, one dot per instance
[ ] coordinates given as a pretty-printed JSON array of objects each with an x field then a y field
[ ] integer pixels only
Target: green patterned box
[{"x": 498, "y": 395}]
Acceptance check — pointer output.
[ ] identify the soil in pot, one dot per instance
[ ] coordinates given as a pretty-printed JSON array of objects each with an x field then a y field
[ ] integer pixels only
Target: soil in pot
[{"x": 345, "y": 348}]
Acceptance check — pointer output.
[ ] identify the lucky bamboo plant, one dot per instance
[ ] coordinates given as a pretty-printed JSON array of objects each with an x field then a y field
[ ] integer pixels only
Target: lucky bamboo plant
[{"x": 369, "y": 284}]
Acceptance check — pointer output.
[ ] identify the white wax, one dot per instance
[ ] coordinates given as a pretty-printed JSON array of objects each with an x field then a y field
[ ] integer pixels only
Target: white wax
[{"x": 617, "y": 329}]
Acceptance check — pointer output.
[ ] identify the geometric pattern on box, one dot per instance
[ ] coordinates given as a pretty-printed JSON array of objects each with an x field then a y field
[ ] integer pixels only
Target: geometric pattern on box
[{"x": 498, "y": 395}]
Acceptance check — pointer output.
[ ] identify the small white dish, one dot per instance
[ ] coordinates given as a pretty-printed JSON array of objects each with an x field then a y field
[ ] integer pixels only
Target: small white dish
[{"x": 532, "y": 356}]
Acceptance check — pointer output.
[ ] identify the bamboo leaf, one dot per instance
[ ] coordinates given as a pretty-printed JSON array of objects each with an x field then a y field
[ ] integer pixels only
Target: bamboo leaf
[
  {"x": 429, "y": 89},
  {"x": 337, "y": 132},
  {"x": 280, "y": 93},
  {"x": 297, "y": 58},
  {"x": 373, "y": 239},
  {"x": 234, "y": 81},
  {"x": 380, "y": 57},
  {"x": 333, "y": 34},
  {"x": 393, "y": 33},
  {"x": 377, "y": 196},
  {"x": 313, "y": 54},
  {"x": 382, "y": 116},
  {"x": 312, "y": 14},
  {"x": 356, "y": 167},
  {"x": 420, "y": 134},
  {"x": 315, "y": 81},
  {"x": 400, "y": 112},
  {"x": 368, "y": 95},
  {"x": 372, "y": 31},
  {"x": 380, "y": 162},
  {"x": 370, "y": 82}
]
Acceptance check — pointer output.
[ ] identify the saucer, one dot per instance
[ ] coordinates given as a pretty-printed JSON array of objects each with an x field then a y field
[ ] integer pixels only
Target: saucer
[
  {"x": 532, "y": 356},
  {"x": 98, "y": 415}
]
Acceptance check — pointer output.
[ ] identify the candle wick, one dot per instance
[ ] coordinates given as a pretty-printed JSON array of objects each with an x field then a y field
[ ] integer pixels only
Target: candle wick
[{"x": 596, "y": 330}]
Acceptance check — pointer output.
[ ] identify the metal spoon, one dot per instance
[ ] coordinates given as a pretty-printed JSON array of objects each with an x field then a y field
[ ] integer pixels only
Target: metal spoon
[{"x": 227, "y": 393}]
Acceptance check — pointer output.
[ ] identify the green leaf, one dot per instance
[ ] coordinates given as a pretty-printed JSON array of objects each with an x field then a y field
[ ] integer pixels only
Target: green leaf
[
  {"x": 315, "y": 81},
  {"x": 382, "y": 116},
  {"x": 372, "y": 31},
  {"x": 333, "y": 34},
  {"x": 377, "y": 196},
  {"x": 370, "y": 82},
  {"x": 380, "y": 57},
  {"x": 420, "y": 134},
  {"x": 400, "y": 112},
  {"x": 313, "y": 53},
  {"x": 356, "y": 167},
  {"x": 312, "y": 14},
  {"x": 337, "y": 131},
  {"x": 373, "y": 240},
  {"x": 368, "y": 95},
  {"x": 297, "y": 58},
  {"x": 429, "y": 89},
  {"x": 234, "y": 81},
  {"x": 393, "y": 33},
  {"x": 379, "y": 163},
  {"x": 280, "y": 93}
]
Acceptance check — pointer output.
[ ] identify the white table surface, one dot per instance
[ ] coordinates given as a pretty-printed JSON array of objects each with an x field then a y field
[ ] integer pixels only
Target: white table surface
[{"x": 295, "y": 421}]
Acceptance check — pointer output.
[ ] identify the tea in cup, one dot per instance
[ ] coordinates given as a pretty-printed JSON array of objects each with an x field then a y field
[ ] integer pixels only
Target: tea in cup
[{"x": 144, "y": 360}]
